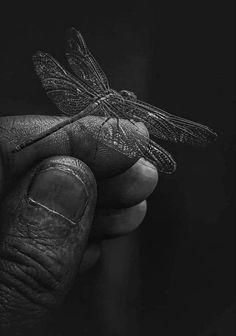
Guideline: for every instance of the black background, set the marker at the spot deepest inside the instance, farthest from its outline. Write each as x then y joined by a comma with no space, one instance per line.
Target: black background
174,275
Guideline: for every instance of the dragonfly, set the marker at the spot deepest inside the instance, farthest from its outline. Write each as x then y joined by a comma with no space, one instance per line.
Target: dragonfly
85,91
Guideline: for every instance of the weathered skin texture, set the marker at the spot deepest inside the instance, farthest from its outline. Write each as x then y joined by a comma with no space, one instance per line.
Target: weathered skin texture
43,245
40,251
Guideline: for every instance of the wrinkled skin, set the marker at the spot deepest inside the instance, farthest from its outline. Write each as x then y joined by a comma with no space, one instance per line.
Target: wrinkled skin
59,199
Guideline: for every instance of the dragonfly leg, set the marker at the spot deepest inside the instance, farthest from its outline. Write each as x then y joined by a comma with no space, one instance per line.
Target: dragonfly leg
122,131
99,132
122,113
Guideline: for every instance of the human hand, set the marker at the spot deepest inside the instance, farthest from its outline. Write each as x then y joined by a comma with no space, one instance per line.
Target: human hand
55,211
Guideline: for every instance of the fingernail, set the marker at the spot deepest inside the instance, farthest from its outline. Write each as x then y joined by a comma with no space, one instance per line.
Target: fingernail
60,191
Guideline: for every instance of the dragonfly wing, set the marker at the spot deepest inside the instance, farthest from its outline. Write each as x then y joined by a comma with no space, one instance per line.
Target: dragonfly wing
166,126
131,143
130,140
160,158
83,63
69,94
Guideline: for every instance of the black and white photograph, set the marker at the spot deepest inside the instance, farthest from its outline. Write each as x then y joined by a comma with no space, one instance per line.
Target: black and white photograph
117,169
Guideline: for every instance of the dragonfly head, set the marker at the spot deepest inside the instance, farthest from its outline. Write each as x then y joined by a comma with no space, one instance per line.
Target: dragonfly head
128,95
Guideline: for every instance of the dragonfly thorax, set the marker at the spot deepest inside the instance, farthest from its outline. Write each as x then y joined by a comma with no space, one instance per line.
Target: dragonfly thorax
106,94
128,95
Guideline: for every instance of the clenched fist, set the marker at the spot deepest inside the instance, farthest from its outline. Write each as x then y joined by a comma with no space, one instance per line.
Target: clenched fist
59,198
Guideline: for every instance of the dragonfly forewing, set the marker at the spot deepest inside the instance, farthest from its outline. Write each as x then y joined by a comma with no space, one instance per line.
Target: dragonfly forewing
68,93
82,62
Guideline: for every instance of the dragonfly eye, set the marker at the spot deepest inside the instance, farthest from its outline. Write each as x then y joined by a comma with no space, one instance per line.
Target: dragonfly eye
128,95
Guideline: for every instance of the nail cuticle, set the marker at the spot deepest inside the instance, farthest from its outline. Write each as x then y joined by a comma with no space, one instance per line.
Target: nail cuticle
60,167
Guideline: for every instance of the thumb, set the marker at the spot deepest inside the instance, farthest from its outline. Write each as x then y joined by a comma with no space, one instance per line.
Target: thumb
45,224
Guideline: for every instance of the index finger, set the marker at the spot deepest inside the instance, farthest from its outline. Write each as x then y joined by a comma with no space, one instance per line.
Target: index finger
71,140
